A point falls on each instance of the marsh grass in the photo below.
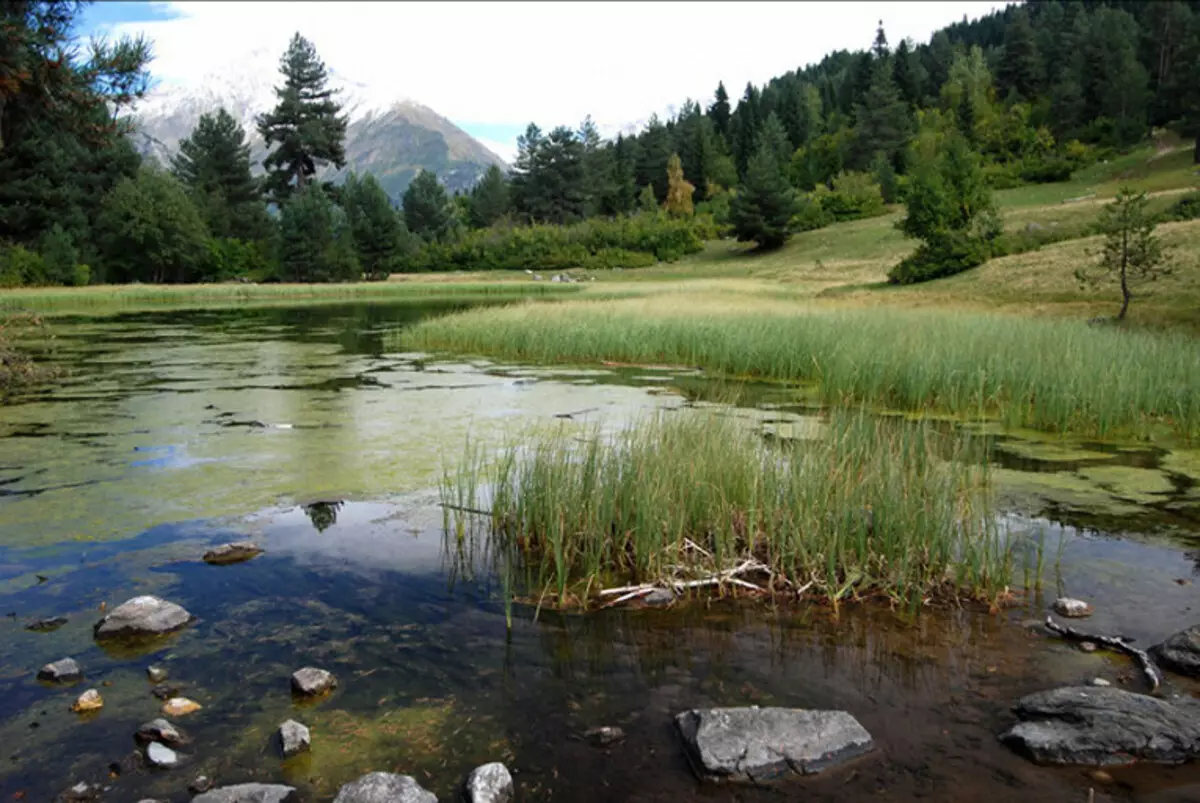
(1053, 375)
(24, 339)
(868, 509)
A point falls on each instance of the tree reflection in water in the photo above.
(322, 514)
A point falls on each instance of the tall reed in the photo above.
(871, 508)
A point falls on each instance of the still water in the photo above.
(299, 428)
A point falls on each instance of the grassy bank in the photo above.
(866, 509)
(1055, 375)
(66, 299)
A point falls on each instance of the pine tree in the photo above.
(305, 125)
(428, 210)
(679, 189)
(341, 256)
(60, 257)
(939, 58)
(597, 167)
(373, 225)
(1020, 72)
(879, 49)
(623, 197)
(1133, 254)
(884, 125)
(746, 126)
(489, 199)
(721, 113)
(763, 208)
(214, 163)
(655, 147)
(909, 74)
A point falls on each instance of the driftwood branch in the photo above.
(462, 509)
(730, 576)
(1115, 643)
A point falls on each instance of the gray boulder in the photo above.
(491, 783)
(383, 787)
(310, 681)
(143, 616)
(64, 670)
(250, 793)
(1092, 726)
(762, 744)
(237, 552)
(1181, 652)
(294, 738)
(161, 756)
(159, 730)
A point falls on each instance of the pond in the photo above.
(297, 427)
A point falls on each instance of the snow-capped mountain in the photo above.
(390, 136)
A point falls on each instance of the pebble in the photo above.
(180, 706)
(202, 783)
(1101, 682)
(157, 674)
(161, 756)
(47, 625)
(294, 737)
(64, 670)
(1087, 646)
(1100, 776)
(604, 735)
(311, 681)
(1072, 608)
(90, 700)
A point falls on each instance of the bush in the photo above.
(20, 267)
(230, 258)
(1186, 208)
(1048, 170)
(944, 255)
(628, 242)
(854, 196)
(812, 214)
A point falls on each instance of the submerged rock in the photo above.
(159, 730)
(311, 681)
(1181, 652)
(294, 738)
(165, 691)
(83, 791)
(142, 616)
(384, 787)
(759, 744)
(1072, 608)
(250, 793)
(604, 735)
(236, 552)
(491, 783)
(47, 625)
(201, 783)
(180, 706)
(161, 756)
(64, 670)
(659, 596)
(1099, 726)
(90, 700)
(157, 674)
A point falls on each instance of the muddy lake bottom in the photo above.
(177, 431)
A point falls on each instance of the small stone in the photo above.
(1072, 608)
(1101, 683)
(159, 730)
(202, 783)
(90, 700)
(237, 552)
(311, 682)
(383, 787)
(1100, 776)
(294, 737)
(64, 670)
(142, 616)
(604, 735)
(250, 793)
(1087, 646)
(161, 756)
(165, 691)
(180, 706)
(47, 625)
(658, 597)
(83, 792)
(491, 783)
(157, 674)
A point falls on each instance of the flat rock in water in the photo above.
(47, 625)
(161, 756)
(90, 700)
(142, 616)
(237, 552)
(383, 787)
(294, 738)
(604, 735)
(1072, 608)
(1181, 652)
(310, 681)
(491, 783)
(83, 791)
(159, 730)
(1103, 726)
(250, 793)
(64, 670)
(180, 706)
(760, 744)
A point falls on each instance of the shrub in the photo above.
(854, 196)
(811, 214)
(1047, 170)
(1186, 208)
(946, 254)
(19, 266)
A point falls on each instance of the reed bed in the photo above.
(54, 299)
(1053, 375)
(697, 500)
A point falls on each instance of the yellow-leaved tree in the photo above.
(679, 189)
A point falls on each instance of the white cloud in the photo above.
(505, 150)
(551, 63)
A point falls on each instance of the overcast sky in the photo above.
(493, 67)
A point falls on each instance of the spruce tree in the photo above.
(308, 249)
(655, 147)
(1020, 72)
(884, 125)
(763, 208)
(428, 210)
(721, 113)
(909, 74)
(214, 163)
(746, 127)
(489, 199)
(373, 225)
(305, 126)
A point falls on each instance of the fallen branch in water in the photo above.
(730, 576)
(1116, 643)
(462, 509)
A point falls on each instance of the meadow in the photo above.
(693, 501)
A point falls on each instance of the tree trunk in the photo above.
(1125, 295)
(1196, 152)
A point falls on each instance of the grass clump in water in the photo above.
(870, 509)
(1058, 376)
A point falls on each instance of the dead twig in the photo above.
(1116, 643)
